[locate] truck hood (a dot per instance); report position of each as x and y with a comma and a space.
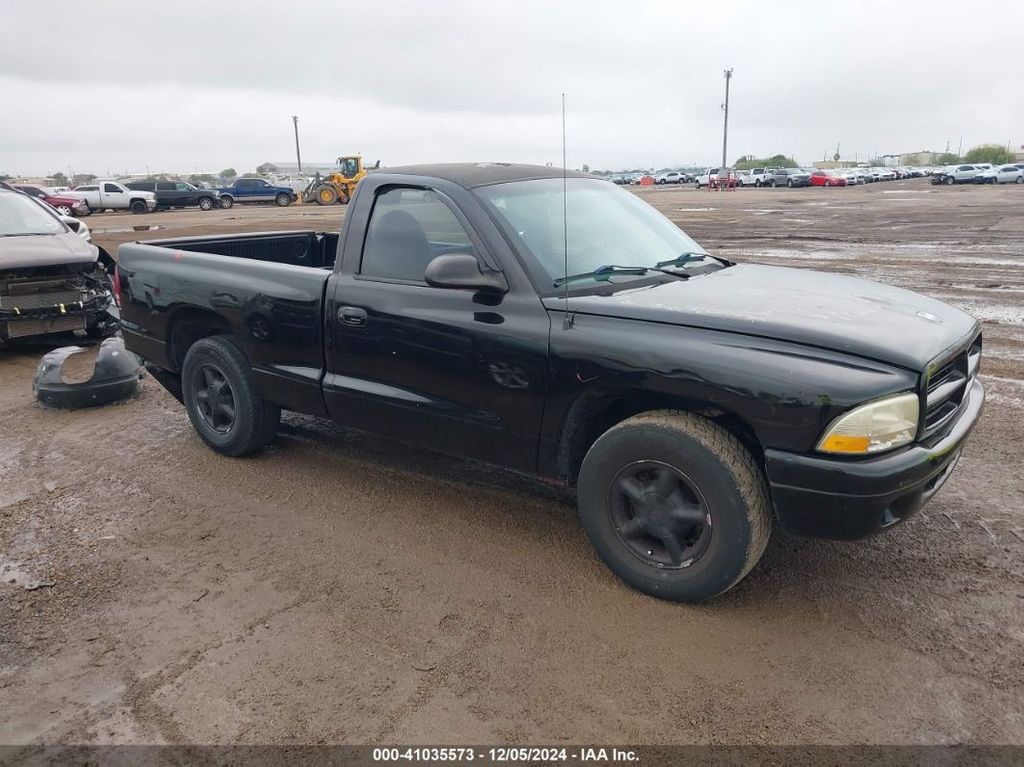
830, 311
45, 250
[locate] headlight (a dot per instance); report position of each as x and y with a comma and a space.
874, 427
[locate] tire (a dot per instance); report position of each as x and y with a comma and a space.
221, 399
757, 183
326, 195
86, 212
949, 180
689, 466
789, 183
283, 200
1020, 180
138, 206
226, 201
828, 183
205, 203
64, 210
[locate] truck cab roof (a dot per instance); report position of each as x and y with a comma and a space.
470, 175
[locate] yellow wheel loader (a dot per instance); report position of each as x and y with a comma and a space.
339, 185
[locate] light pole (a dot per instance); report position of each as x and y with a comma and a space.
725, 125
298, 157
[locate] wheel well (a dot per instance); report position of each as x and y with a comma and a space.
189, 325
594, 413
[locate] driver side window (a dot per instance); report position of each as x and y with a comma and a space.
408, 229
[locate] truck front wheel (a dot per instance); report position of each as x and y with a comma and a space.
675, 505
222, 402
138, 206
226, 202
283, 200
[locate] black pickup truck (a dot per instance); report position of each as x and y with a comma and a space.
561, 327
177, 194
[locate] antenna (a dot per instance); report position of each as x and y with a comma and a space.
567, 321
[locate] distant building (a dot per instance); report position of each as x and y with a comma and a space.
916, 158
292, 169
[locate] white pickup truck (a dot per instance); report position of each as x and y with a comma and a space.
104, 195
709, 178
757, 177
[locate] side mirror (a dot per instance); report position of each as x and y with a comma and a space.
462, 272
42, 196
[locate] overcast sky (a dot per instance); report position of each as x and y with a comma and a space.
182, 86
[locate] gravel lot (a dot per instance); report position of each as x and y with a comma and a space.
338, 588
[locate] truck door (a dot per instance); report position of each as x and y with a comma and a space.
458, 371
114, 196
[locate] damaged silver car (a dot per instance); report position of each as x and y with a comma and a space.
52, 281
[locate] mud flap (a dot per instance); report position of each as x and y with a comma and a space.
115, 378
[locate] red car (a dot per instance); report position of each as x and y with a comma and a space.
65, 204
826, 178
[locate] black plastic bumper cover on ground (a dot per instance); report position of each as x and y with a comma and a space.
116, 377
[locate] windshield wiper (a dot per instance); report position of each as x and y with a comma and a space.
681, 260
603, 273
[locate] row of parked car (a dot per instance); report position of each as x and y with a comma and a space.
148, 196
977, 173
980, 173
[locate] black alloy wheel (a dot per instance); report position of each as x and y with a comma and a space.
215, 399
659, 514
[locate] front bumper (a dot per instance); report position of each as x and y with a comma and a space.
843, 499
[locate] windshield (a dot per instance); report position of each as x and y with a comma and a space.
607, 225
20, 215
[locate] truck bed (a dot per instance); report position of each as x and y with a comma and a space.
267, 288
315, 249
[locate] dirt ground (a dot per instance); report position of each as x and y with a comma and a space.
338, 588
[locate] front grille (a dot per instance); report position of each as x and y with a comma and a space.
40, 300
947, 384
39, 294
64, 324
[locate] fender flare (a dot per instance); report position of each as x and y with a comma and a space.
116, 377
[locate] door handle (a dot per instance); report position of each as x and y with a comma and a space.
352, 315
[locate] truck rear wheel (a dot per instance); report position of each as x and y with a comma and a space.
675, 505
222, 402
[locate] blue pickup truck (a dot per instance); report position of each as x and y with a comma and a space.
255, 190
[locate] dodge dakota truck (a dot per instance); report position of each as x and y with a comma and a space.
559, 326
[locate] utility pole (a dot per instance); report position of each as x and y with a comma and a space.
960, 148
298, 157
725, 125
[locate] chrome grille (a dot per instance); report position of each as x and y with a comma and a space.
62, 324
947, 384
